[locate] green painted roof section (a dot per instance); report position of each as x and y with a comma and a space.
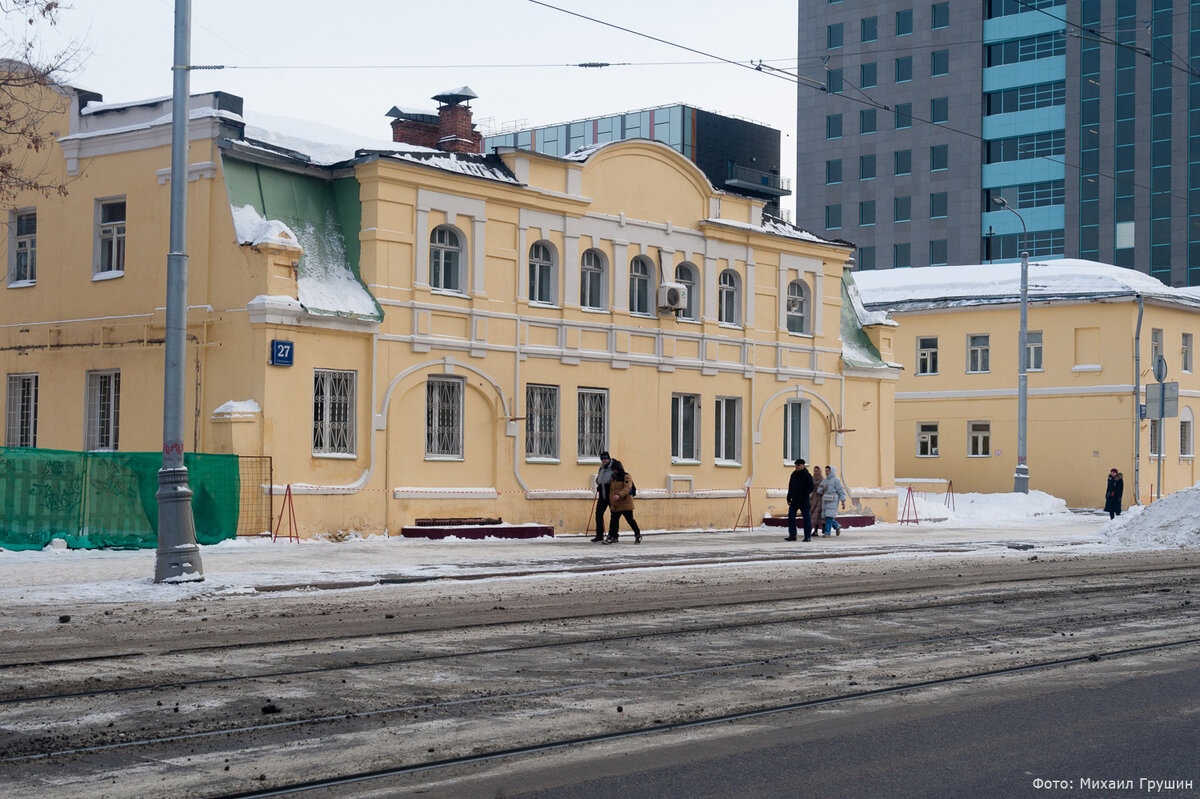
325, 216
857, 349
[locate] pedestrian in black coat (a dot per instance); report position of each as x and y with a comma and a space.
1113, 494
800, 486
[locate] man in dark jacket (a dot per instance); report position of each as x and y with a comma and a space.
603, 480
799, 487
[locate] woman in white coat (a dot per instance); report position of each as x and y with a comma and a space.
832, 492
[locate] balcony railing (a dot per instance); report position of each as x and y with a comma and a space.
743, 177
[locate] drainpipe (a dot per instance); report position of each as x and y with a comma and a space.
1137, 396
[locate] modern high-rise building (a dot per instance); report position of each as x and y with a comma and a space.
737, 155
1082, 115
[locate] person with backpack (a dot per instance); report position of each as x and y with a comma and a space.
620, 497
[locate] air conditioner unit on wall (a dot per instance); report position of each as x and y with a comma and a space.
672, 297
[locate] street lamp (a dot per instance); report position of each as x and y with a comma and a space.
1021, 473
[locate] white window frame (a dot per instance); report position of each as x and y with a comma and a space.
685, 447
796, 307
103, 412
729, 298
1034, 351
1153, 448
334, 428
1156, 345
541, 423
593, 280
979, 439
795, 430
22, 247
727, 429
20, 429
543, 273
108, 260
591, 424
979, 353
1185, 354
641, 286
1187, 428
927, 356
447, 256
688, 275
444, 418
927, 440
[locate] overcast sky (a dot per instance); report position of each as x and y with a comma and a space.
128, 48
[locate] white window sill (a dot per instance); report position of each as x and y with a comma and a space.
337, 456
643, 314
529, 459
22, 284
453, 458
934, 455
932, 374
589, 309
688, 319
1031, 369
111, 275
984, 372
546, 305
799, 335
1087, 367
449, 293
587, 460
979, 456
728, 464
684, 462
730, 326
1186, 458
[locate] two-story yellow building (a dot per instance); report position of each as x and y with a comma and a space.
1094, 333
411, 332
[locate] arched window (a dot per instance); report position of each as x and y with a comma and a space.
685, 274
542, 274
445, 259
640, 271
592, 280
797, 307
729, 299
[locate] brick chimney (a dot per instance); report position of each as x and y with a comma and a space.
451, 131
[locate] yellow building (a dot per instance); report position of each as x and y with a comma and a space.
409, 332
1094, 334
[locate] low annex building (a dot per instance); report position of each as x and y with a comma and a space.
1095, 331
423, 331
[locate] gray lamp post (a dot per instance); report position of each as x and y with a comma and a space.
1021, 473
178, 556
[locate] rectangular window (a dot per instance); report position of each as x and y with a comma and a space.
333, 412
870, 29
541, 422
866, 257
20, 429
593, 422
1154, 435
1156, 345
902, 255
833, 171
728, 429
1185, 354
904, 69
866, 212
103, 410
866, 121
939, 252
902, 162
795, 415
110, 238
833, 83
901, 209
939, 157
927, 355
1185, 438
927, 439
1033, 350
903, 115
978, 354
685, 427
979, 439
941, 15
939, 110
939, 63
866, 167
833, 126
939, 204
904, 22
23, 251
833, 36
833, 217
868, 75
444, 418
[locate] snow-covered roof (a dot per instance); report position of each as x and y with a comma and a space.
323, 144
771, 227
992, 284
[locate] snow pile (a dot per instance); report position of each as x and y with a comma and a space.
323, 144
252, 229
1012, 507
238, 409
326, 284
1173, 521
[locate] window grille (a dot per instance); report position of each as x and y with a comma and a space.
103, 410
21, 427
444, 417
333, 412
541, 421
593, 422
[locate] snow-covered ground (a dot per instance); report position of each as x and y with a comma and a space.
985, 523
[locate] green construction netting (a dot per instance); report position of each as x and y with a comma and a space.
106, 499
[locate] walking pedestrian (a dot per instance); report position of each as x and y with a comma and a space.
1113, 493
832, 492
814, 500
800, 487
621, 494
603, 480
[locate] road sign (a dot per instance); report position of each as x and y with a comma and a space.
1162, 400
1160, 368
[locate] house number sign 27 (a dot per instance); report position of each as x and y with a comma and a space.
282, 352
